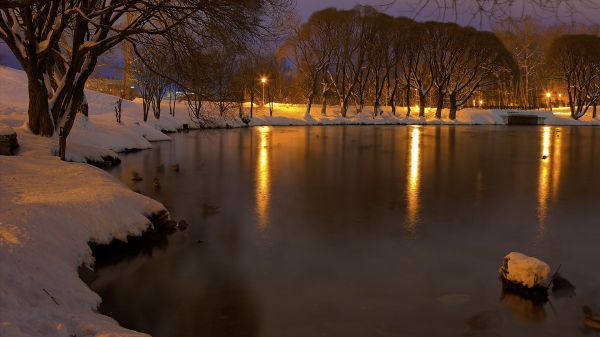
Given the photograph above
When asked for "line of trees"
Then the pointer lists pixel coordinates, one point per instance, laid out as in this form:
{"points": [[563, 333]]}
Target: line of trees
{"points": [[58, 42], [362, 55]]}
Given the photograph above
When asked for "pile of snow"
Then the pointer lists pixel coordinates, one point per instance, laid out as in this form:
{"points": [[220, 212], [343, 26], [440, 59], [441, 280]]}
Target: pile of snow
{"points": [[525, 270], [49, 211]]}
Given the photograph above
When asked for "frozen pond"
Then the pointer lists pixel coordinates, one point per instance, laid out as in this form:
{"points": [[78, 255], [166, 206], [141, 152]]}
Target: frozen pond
{"points": [[362, 231]]}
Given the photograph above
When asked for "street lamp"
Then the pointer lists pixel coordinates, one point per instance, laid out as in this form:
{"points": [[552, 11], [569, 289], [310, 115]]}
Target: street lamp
{"points": [[264, 82], [560, 100], [548, 95]]}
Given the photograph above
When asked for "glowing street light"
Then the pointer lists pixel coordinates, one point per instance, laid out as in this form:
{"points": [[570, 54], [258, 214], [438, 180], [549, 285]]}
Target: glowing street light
{"points": [[548, 95], [264, 82]]}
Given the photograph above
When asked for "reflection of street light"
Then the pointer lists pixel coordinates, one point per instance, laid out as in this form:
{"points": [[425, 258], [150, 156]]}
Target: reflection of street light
{"points": [[263, 81]]}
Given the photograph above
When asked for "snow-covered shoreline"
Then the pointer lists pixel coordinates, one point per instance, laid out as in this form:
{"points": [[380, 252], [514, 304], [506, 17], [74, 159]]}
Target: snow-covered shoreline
{"points": [[49, 211]]}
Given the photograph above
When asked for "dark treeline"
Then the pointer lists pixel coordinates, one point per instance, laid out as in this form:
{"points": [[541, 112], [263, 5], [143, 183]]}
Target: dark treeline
{"points": [[363, 56]]}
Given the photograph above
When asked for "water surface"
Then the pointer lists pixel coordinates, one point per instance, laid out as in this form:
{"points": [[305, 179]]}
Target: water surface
{"points": [[362, 231]]}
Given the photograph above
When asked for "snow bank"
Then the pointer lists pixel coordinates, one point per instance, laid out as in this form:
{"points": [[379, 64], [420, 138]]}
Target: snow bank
{"points": [[91, 139], [49, 211], [527, 271]]}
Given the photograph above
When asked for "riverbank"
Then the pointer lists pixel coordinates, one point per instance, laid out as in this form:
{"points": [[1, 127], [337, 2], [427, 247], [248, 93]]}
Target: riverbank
{"points": [[99, 137], [49, 211]]}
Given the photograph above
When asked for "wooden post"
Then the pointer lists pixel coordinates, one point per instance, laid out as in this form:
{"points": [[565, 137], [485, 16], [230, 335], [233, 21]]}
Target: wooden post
{"points": [[62, 144]]}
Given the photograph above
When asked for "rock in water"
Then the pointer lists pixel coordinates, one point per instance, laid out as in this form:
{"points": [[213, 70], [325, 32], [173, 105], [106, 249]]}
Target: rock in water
{"points": [[525, 275], [525, 270], [182, 225]]}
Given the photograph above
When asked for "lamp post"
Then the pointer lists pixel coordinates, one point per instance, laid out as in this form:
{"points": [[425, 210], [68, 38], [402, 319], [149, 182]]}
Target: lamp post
{"points": [[548, 95], [560, 100], [264, 82]]}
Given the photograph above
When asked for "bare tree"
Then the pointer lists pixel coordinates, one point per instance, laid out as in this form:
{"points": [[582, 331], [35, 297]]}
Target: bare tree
{"points": [[575, 60], [311, 49], [483, 55], [58, 42]]}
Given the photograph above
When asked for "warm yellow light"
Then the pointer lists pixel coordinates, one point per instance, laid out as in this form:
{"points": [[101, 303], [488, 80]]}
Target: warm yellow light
{"points": [[559, 95], [263, 178], [543, 181], [263, 80], [414, 180], [480, 102], [548, 94]]}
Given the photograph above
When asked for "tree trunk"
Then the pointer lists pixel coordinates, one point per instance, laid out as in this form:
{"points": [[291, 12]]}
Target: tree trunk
{"points": [[251, 103], [422, 103], [344, 107], [453, 106], [440, 105], [311, 96], [408, 88], [85, 107], [324, 106], [376, 107], [40, 122]]}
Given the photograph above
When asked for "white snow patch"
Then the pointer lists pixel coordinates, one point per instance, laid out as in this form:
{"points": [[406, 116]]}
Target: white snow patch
{"points": [[49, 211], [522, 269]]}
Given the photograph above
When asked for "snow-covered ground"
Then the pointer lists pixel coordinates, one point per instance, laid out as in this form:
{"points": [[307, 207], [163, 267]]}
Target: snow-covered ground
{"points": [[49, 211]]}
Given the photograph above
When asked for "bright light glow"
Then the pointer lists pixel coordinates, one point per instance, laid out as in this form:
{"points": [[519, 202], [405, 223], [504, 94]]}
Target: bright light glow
{"points": [[263, 178], [548, 95], [132, 87], [414, 180], [543, 181], [559, 95], [480, 102], [263, 80]]}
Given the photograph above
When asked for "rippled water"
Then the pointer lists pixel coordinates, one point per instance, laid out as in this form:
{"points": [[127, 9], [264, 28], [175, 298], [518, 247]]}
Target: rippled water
{"points": [[362, 231]]}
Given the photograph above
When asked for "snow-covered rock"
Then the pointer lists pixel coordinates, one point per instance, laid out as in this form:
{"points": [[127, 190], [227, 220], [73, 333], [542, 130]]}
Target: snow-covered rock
{"points": [[524, 270]]}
